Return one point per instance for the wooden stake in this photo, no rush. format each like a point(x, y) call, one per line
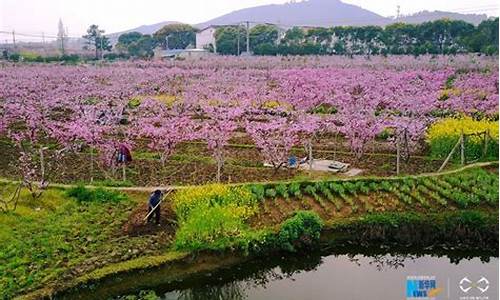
point(219, 167)
point(486, 140)
point(91, 164)
point(124, 173)
point(462, 148)
point(219, 159)
point(310, 153)
point(42, 164)
point(335, 146)
point(450, 154)
point(398, 153)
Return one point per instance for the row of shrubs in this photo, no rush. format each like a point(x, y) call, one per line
point(82, 194)
point(29, 57)
point(67, 58)
point(470, 229)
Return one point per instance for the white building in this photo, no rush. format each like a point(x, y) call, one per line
point(206, 37)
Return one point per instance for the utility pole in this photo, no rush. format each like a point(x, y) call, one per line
point(398, 10)
point(248, 38)
point(62, 46)
point(14, 38)
point(66, 36)
point(61, 35)
point(102, 50)
point(238, 47)
point(43, 44)
point(215, 44)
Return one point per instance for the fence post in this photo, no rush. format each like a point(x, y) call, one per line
point(310, 154)
point(91, 164)
point(398, 153)
point(486, 140)
point(450, 154)
point(462, 148)
point(124, 173)
point(42, 164)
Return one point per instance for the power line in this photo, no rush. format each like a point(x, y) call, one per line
point(40, 35)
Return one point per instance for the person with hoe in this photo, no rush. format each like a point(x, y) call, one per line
point(154, 202)
point(154, 206)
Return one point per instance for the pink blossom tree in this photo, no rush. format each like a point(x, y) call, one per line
point(217, 129)
point(30, 126)
point(308, 127)
point(162, 128)
point(274, 138)
point(360, 128)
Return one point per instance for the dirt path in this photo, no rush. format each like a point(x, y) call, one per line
point(176, 187)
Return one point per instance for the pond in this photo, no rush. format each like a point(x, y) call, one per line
point(343, 275)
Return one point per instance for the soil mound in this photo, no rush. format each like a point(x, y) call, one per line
point(136, 225)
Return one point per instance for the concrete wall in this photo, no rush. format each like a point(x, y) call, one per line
point(205, 38)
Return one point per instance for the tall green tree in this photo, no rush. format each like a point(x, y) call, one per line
point(136, 44)
point(485, 37)
point(489, 29)
point(294, 35)
point(370, 39)
point(176, 36)
point(143, 47)
point(129, 37)
point(400, 38)
point(229, 39)
point(320, 35)
point(96, 39)
point(263, 34)
point(446, 36)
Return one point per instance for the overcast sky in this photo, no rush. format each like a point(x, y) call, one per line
point(37, 16)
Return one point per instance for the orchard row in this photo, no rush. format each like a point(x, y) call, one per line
point(75, 108)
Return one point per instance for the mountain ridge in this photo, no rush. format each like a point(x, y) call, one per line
point(320, 13)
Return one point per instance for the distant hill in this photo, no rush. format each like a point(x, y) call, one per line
point(144, 29)
point(313, 13)
point(426, 16)
point(323, 13)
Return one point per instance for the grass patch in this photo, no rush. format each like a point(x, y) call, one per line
point(83, 194)
point(113, 183)
point(40, 242)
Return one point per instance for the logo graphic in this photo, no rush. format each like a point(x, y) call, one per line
point(422, 288)
point(482, 285)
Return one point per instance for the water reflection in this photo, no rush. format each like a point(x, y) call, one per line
point(295, 277)
point(382, 262)
point(231, 290)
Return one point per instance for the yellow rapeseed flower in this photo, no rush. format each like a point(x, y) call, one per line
point(450, 127)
